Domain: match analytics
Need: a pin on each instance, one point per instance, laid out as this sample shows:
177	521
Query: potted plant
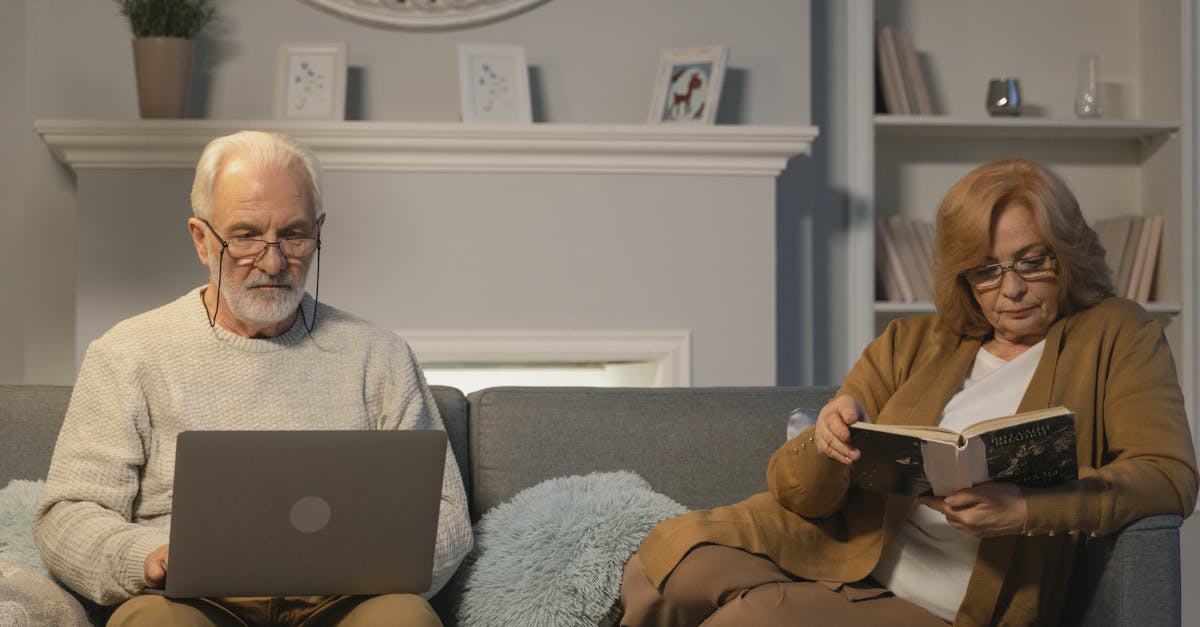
163	32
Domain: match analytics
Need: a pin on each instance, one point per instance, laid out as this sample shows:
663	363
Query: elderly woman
1026	319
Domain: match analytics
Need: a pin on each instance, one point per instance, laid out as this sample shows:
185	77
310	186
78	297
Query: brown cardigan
1110	364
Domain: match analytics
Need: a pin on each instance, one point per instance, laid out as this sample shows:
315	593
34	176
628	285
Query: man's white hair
260	150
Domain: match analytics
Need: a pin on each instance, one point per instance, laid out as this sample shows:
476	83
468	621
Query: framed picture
688	85
493	84
310	81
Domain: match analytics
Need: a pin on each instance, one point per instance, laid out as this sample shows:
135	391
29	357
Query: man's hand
156	567
832	434
986	510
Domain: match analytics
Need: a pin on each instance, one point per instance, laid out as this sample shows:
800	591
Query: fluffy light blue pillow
17	502
799	420
27	594
28	598
553	555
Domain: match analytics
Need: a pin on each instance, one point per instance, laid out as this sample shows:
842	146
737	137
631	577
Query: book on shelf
1148	258
890	266
891	80
1125	270
1145	259
904	258
923	241
1113	234
917	88
1030	449
889	287
905	239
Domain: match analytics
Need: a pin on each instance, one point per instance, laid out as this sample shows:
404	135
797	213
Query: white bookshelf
1137	159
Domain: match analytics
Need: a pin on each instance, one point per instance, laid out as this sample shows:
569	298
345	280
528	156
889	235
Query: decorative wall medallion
424	14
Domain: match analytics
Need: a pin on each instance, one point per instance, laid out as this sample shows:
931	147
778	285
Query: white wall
592	62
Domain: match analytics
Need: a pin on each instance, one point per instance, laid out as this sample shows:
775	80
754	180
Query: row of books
902	80
904	258
1131	245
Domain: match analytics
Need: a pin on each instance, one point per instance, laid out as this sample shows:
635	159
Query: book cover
1032	449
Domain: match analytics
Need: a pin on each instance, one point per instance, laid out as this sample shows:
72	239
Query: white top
929	562
107	500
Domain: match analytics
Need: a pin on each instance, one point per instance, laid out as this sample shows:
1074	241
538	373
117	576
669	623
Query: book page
942	467
917	431
975	461
1016	419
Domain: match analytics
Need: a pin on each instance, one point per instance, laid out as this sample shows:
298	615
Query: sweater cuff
1059	509
133	575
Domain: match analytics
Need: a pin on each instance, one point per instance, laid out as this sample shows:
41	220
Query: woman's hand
986	510
832	434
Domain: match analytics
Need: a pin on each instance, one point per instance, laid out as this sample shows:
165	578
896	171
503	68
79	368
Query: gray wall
455	252
708	268
14	130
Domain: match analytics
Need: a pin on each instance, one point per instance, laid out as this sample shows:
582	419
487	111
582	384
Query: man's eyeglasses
992	275
251	248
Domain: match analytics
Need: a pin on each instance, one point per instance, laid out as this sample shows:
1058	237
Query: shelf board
718	150
893	308
946	127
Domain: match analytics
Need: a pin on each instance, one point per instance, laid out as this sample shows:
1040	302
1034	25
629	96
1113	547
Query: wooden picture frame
494	84
310	81
688	85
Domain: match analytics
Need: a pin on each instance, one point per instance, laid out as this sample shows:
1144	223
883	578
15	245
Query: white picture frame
310	81
687	88
493	84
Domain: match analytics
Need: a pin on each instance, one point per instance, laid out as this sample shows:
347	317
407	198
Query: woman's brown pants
717	586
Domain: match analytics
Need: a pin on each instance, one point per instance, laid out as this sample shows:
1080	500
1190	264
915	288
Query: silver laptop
281	513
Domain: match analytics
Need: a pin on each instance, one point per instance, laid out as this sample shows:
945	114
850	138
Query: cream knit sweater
107	501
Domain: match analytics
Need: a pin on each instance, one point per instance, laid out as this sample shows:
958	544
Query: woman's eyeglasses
991	275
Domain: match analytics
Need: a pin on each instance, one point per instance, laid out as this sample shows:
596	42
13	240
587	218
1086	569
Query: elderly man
249	350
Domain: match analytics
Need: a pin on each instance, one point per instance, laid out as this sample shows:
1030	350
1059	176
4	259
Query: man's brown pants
356	611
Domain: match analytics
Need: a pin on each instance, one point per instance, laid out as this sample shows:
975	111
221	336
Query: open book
1031	449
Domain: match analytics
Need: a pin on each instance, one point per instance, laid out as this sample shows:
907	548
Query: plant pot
163	66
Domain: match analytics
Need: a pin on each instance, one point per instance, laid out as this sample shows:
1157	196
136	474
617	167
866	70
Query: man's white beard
262	307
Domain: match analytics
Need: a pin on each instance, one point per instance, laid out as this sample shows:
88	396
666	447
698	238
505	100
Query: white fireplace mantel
721	150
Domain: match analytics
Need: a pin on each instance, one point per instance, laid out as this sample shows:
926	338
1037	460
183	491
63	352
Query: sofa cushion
31	415
553	555
452	406
700	446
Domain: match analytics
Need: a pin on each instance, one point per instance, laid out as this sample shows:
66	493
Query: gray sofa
700	446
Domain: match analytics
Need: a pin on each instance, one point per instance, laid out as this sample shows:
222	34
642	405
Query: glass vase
1087	98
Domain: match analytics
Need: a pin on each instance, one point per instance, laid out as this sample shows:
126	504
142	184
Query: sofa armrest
1131	577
